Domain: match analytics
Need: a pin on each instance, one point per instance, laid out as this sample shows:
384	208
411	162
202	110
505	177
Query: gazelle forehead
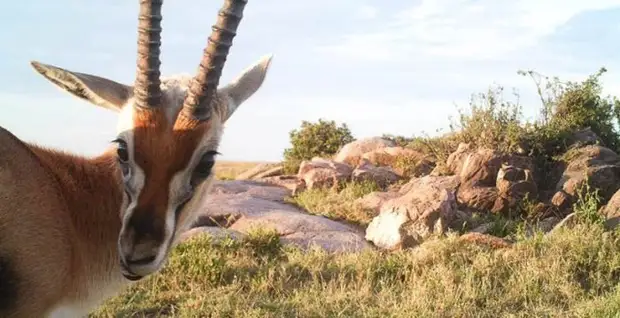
174	89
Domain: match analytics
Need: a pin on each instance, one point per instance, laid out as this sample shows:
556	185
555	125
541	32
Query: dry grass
337	205
573	273
228	170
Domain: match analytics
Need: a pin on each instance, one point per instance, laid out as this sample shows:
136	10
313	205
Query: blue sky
399	67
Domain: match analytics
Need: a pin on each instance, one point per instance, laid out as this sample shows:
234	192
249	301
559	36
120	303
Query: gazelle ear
94	89
246	84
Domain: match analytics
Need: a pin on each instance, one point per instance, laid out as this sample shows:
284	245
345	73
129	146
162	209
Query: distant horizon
398	69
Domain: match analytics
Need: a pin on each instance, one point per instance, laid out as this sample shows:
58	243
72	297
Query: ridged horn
204	84
147	90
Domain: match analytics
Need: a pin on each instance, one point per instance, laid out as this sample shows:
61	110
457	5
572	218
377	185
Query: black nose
127	273
140	261
132	277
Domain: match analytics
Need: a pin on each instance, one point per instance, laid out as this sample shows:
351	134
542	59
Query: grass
228	170
572	273
337	205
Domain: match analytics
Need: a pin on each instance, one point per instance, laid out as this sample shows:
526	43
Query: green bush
571	106
493	122
496	122
323	139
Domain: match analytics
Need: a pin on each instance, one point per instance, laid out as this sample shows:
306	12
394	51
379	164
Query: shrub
492	122
323	138
400	141
571	106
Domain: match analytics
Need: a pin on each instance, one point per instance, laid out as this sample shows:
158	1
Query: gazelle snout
141	245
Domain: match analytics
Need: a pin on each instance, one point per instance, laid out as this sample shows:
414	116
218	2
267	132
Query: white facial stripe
179	182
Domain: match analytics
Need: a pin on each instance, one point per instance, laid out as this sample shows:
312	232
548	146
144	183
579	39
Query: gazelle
75	230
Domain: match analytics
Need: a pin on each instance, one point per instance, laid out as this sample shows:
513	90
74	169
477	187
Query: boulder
319	173
352	152
246	205
256	170
382	176
599	165
410	218
405	162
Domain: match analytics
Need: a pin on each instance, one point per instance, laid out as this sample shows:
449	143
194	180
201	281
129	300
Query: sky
397	67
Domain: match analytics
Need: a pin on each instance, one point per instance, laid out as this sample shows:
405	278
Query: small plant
587	204
400	141
321	139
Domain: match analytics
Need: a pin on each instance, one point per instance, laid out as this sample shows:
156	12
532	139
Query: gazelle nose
139	261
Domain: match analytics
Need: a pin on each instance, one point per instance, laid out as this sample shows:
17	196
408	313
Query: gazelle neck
92	190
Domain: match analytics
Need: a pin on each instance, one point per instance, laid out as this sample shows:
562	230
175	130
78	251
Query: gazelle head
168	133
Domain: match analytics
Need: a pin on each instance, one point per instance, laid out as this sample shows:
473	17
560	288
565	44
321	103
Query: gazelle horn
204	84
147	90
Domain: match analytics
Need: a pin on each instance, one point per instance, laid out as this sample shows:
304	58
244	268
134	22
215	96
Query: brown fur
161	154
56	228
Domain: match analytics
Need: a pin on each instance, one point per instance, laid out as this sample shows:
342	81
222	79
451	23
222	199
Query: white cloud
366	12
483	29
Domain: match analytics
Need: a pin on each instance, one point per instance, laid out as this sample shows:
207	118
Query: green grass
337	204
572	273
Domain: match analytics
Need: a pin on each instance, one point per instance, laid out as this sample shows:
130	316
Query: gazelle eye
122	155
204	166
121	151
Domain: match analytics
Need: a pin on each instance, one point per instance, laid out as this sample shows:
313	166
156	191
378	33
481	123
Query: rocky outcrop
598	165
424	208
382	176
352	152
260	171
320	173
241	206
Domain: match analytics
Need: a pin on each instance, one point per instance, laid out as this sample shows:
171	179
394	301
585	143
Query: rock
305	230
250	204
545	225
567	222
612	223
543	210
430	182
318	173
583	137
408	220
273	172
514	185
612	208
289	182
483	228
217	234
612	211
256	170
405	162
480	168
386	231
375	200
484	239
562	200
456	160
352	152
600	165
382	176
479	198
